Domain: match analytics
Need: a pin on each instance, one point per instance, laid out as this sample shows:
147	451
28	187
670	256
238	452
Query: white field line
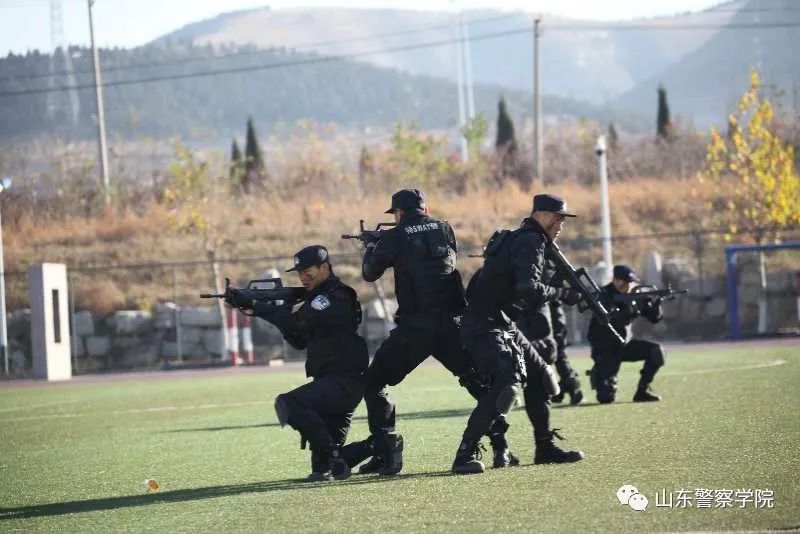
773	363
35	406
137	410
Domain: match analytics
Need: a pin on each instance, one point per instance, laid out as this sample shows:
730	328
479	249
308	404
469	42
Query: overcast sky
25	24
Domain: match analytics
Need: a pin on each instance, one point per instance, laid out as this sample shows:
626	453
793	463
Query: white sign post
50	337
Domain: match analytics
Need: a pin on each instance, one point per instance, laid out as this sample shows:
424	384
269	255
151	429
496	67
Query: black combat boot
468	458
558	399
392	455
503	457
372	466
643	394
328	465
547	452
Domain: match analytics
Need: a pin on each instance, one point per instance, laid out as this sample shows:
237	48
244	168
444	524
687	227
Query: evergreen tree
613	136
505	143
505	129
663	123
236	165
254	160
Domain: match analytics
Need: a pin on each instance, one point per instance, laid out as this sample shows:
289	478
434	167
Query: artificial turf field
73	457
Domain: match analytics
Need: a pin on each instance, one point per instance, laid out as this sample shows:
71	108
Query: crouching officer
511	280
607	352
325	325
430	296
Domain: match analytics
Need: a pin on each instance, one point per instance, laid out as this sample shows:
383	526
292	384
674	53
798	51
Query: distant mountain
208	92
580	59
706	85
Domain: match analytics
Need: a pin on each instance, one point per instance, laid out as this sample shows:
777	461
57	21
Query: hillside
274	86
704	85
583	63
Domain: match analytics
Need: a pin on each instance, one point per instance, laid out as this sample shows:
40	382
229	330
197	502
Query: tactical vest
425	272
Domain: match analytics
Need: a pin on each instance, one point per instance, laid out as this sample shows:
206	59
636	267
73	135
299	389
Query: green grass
74	458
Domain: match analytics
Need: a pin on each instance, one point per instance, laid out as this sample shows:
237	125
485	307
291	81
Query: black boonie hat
309	256
625	273
406	199
552	203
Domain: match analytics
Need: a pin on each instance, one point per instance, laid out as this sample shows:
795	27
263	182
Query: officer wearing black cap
511	280
326	326
607	352
430	296
546	328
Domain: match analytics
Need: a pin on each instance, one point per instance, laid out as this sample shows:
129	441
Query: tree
254	160
613	137
505	143
236	166
758	170
663	123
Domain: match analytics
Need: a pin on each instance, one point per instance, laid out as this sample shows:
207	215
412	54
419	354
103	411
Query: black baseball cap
309	256
407	199
625	273
551	203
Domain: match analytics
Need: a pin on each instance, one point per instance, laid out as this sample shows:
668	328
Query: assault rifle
580	281
266	290
368	236
643	293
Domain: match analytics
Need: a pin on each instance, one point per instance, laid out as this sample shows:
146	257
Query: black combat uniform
430	297
546	328
510	280
326	325
608	353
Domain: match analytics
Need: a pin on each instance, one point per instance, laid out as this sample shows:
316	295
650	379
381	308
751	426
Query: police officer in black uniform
546	328
511	280
326	325
430	296
608	353
568	376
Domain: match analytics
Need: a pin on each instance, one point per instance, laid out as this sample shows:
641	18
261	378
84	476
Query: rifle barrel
212	295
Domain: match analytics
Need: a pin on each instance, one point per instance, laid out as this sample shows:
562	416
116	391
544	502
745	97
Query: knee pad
282	410
506	398
550	381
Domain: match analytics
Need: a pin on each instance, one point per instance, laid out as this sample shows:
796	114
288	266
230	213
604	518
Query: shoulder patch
320	302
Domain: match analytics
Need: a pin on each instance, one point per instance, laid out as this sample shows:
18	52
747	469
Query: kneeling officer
326	326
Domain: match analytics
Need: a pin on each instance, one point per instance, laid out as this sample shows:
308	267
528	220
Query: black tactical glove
238	299
569	296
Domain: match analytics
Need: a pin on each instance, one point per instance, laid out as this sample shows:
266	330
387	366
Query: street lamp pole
5	183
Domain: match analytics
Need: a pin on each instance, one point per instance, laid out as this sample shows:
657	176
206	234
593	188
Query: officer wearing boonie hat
607	352
326	324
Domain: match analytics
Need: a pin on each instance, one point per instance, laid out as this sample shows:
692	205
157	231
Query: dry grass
264	226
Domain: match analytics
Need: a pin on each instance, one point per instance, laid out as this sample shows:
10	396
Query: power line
246	53
416	46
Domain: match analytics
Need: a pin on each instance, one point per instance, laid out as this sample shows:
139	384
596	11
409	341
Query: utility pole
461	112
101	117
467	67
537	106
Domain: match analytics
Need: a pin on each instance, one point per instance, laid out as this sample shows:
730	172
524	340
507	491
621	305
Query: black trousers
566	373
408	345
321	410
607	360
507	358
